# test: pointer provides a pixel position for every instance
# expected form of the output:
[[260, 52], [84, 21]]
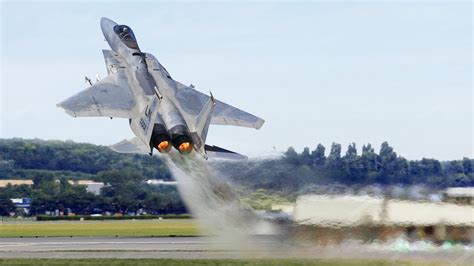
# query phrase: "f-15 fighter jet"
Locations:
[[162, 112]]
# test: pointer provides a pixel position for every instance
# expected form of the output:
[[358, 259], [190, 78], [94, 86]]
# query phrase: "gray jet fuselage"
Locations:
[[168, 119], [162, 112]]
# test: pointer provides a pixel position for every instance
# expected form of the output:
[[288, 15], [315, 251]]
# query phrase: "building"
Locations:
[[460, 195], [13, 182], [22, 203], [91, 185], [334, 218]]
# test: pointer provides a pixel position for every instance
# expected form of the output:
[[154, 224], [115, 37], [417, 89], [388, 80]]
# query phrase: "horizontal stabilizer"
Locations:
[[220, 153], [133, 145]]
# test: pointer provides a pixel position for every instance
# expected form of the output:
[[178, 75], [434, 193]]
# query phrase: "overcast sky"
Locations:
[[316, 72]]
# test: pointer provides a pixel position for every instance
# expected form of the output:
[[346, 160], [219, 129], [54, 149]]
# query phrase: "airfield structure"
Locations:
[[460, 195], [337, 218]]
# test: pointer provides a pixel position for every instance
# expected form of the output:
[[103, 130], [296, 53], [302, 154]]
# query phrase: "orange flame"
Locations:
[[163, 146], [185, 147]]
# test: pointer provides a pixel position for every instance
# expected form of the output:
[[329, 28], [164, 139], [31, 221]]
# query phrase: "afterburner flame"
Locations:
[[164, 146], [185, 147]]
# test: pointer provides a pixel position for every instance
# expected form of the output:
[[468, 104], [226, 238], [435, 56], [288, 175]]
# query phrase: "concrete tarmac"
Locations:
[[211, 248]]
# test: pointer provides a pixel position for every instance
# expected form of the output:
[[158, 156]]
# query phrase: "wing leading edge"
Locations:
[[223, 114]]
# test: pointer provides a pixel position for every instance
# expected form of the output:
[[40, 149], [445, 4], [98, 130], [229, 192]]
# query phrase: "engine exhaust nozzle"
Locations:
[[160, 138], [181, 140]]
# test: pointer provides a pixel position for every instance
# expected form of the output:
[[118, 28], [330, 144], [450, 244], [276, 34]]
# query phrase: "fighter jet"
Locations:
[[162, 112]]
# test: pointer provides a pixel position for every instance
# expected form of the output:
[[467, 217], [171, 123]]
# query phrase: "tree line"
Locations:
[[25, 159], [294, 171], [124, 192], [50, 164]]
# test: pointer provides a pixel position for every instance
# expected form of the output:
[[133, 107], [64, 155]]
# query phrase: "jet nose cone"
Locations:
[[106, 24]]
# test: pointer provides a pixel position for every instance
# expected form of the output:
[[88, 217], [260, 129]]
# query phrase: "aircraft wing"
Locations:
[[193, 101], [104, 98]]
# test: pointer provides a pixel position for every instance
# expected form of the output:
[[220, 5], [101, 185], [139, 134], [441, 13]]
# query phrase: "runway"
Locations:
[[209, 248]]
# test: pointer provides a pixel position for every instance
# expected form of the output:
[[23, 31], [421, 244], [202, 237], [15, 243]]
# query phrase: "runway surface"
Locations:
[[209, 248]]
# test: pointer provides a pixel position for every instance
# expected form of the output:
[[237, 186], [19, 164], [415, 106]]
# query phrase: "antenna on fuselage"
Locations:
[[212, 98], [88, 80], [157, 92]]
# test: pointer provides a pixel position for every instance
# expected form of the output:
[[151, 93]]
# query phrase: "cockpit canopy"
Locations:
[[125, 33]]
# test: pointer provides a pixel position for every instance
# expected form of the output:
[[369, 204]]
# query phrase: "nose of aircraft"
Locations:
[[106, 25]]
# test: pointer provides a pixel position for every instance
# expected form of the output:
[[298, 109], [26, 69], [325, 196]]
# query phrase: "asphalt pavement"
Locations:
[[212, 248]]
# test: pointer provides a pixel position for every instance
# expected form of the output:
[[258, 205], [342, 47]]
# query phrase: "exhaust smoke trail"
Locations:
[[213, 201]]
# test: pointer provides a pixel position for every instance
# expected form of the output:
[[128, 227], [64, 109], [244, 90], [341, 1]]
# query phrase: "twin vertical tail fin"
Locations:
[[203, 121]]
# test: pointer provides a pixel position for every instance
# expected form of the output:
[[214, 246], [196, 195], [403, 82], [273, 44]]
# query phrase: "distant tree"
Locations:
[[353, 165], [402, 171], [43, 179], [42, 202], [318, 157], [467, 165], [305, 157], [386, 152], [388, 160], [455, 167], [334, 164], [429, 167], [16, 191], [115, 177], [6, 168], [334, 158], [351, 151], [291, 156], [6, 206], [371, 163]]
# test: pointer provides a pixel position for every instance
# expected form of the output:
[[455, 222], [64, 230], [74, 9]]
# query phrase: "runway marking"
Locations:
[[86, 243], [3, 245]]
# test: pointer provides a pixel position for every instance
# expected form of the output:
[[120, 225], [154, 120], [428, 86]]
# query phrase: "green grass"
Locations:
[[173, 262], [100, 228], [264, 199]]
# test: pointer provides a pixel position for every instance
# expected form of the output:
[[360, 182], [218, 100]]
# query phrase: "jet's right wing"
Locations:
[[105, 98]]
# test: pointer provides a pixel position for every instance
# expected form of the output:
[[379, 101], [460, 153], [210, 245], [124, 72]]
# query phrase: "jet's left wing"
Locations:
[[224, 114], [193, 101]]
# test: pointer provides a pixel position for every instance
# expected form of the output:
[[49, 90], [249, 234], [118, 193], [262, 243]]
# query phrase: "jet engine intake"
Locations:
[[160, 138], [181, 140]]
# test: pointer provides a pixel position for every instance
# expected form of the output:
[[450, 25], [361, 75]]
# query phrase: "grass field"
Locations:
[[172, 262], [101, 228]]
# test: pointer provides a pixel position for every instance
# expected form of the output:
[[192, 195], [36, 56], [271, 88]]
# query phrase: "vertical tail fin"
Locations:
[[203, 120]]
